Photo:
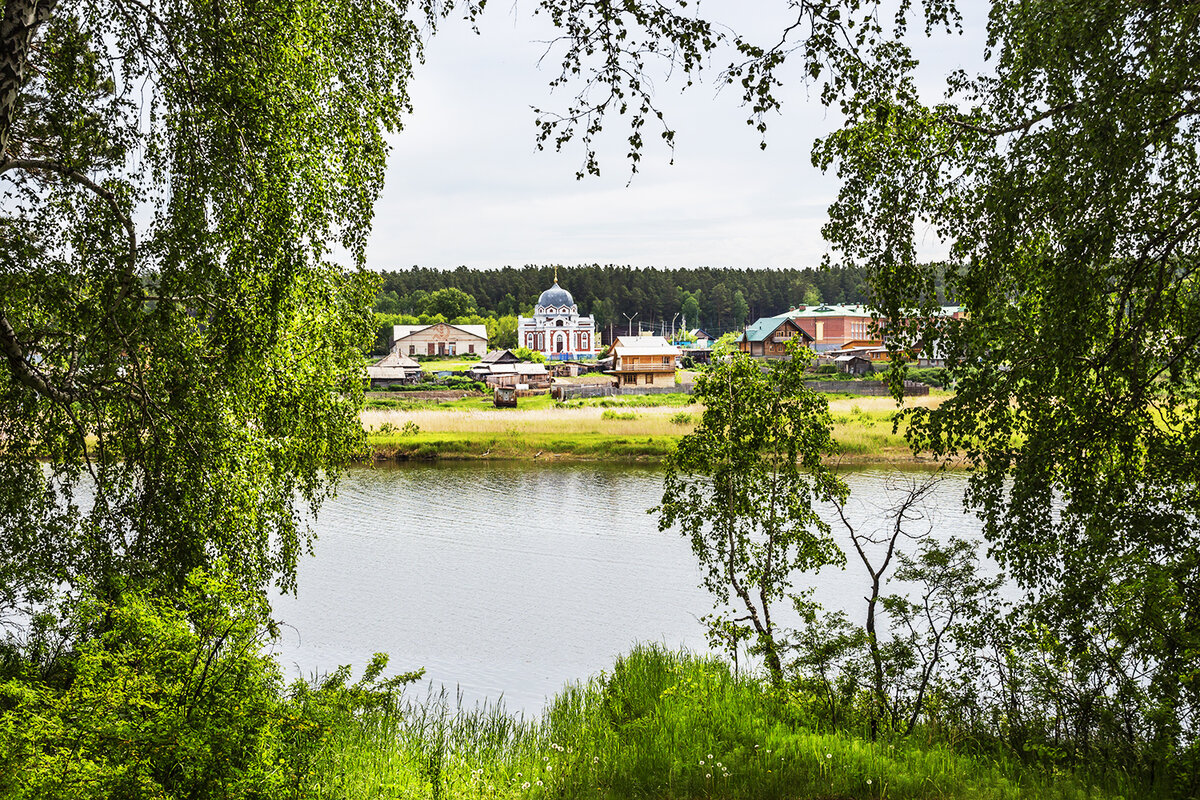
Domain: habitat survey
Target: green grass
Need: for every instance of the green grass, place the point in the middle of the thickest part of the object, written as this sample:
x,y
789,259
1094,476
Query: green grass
x,y
520,445
664,725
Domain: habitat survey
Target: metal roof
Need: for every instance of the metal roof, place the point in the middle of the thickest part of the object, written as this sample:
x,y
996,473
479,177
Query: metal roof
x,y
401,331
765,326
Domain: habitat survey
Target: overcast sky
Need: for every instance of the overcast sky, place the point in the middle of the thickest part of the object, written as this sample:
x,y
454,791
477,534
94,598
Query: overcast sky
x,y
466,184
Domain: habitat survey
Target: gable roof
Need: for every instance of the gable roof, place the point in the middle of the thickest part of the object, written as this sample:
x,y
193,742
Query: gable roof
x,y
401,331
763,327
501,356
397,359
643,346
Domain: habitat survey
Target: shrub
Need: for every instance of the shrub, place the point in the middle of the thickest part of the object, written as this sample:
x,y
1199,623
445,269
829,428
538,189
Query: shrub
x,y
610,414
682,418
155,699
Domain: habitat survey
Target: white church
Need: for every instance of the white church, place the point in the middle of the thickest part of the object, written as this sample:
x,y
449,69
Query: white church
x,y
556,329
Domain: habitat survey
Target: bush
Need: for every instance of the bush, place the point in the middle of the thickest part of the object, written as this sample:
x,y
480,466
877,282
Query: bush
x,y
610,414
156,699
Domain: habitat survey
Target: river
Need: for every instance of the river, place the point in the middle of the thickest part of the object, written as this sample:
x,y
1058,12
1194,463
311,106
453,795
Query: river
x,y
510,579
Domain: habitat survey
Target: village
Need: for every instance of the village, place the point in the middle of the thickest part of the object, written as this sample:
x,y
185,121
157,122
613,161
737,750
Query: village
x,y
562,353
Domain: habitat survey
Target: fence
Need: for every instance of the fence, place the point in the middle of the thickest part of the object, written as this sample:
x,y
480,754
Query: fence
x,y
875,388
572,391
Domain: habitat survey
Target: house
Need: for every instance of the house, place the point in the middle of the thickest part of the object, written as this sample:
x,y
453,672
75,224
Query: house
x,y
768,337
643,361
439,339
832,326
393,369
522,375
481,370
704,341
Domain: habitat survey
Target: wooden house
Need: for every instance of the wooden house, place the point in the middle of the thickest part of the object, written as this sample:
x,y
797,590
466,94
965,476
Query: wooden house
x,y
768,337
643,361
393,369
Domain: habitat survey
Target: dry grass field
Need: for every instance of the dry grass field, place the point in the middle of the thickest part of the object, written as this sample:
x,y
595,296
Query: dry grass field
x,y
862,427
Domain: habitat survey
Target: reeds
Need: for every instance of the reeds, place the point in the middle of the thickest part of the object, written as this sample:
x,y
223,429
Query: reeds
x,y
661,725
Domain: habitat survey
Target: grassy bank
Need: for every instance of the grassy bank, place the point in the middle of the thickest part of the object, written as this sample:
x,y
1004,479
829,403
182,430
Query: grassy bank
x,y
631,427
666,726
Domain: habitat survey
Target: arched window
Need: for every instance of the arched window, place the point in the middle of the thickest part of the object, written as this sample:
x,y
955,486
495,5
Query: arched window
x,y
559,323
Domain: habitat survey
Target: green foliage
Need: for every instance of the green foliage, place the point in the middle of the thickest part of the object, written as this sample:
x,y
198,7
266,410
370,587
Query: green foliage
x,y
690,310
742,485
739,309
159,699
198,360
662,724
1063,180
525,354
610,414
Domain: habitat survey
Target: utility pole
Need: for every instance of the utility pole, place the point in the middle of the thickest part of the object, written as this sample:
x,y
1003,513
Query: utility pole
x,y
673,336
626,316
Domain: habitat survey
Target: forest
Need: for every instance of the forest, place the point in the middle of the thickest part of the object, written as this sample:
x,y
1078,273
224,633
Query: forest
x,y
649,295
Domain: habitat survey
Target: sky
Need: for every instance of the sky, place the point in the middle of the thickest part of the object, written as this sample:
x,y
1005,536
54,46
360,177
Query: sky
x,y
467,186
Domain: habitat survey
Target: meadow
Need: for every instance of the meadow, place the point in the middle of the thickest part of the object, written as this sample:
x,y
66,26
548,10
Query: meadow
x,y
668,725
639,427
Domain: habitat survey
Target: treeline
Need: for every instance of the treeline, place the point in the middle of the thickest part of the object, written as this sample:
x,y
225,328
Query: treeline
x,y
619,295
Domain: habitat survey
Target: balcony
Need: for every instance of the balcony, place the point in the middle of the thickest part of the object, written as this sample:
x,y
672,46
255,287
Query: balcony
x,y
626,366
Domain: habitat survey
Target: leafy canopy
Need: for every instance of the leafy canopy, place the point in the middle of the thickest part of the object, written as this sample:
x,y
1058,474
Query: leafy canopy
x,y
181,344
741,487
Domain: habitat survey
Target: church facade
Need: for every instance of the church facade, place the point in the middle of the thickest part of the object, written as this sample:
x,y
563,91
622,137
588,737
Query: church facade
x,y
556,329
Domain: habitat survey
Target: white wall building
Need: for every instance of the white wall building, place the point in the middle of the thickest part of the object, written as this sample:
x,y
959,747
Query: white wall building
x,y
556,329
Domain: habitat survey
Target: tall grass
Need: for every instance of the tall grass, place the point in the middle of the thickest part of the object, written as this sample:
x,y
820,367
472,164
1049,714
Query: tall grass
x,y
661,725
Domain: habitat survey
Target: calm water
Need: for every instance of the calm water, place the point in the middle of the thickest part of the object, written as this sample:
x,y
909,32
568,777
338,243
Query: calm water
x,y
512,579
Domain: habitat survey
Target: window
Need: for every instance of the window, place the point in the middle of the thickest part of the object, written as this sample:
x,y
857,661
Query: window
x,y
666,360
649,378
412,349
470,348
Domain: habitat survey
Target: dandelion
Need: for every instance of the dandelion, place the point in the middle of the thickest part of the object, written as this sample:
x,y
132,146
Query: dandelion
x,y
868,781
702,762
595,759
525,785
549,768
757,746
710,755
709,775
829,755
539,783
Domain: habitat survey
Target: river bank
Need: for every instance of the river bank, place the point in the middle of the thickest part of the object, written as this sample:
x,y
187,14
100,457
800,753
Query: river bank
x,y
629,428
673,725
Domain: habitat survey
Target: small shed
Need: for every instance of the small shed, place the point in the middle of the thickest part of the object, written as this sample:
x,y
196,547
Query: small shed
x,y
854,365
393,369
533,376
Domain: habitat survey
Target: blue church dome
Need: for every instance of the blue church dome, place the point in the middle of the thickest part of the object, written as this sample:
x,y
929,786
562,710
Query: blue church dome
x,y
556,297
